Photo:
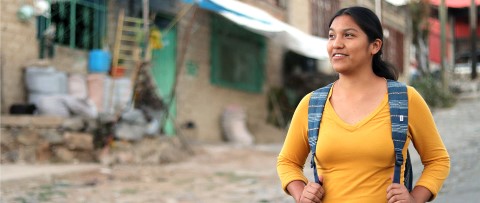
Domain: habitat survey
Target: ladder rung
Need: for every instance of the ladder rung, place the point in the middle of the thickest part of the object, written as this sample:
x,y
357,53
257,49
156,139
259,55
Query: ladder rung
x,y
131,29
127,47
129,38
133,20
126,57
127,51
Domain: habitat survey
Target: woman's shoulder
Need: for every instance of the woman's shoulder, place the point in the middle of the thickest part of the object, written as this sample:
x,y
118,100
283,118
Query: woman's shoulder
x,y
412,92
414,97
306,99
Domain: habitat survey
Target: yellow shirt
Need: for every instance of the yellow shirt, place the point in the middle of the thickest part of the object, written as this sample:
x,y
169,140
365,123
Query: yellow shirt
x,y
357,161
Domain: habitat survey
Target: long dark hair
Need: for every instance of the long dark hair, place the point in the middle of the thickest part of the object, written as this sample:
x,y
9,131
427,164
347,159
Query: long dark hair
x,y
368,21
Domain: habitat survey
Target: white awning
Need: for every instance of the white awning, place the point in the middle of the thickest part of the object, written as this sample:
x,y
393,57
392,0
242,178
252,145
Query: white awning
x,y
263,23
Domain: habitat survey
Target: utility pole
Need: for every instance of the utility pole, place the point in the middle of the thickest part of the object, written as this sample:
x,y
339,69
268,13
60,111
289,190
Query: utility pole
x,y
146,8
378,9
443,44
473,38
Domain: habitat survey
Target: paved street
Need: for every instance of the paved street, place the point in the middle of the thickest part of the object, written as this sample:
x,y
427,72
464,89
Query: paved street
x,y
224,173
460,130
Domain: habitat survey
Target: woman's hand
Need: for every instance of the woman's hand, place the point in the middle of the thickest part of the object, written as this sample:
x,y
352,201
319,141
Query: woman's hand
x,y
398,193
312,192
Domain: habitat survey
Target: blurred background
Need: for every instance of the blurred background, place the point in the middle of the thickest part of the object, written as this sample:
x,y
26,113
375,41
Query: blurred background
x,y
190,100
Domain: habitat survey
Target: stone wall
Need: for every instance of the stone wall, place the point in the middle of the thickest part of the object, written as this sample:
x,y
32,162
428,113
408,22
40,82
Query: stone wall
x,y
46,139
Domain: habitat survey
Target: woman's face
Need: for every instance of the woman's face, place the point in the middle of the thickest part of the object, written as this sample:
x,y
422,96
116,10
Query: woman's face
x,y
348,46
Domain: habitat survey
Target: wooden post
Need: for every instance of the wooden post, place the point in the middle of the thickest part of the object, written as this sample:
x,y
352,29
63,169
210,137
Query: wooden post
x,y
443,43
146,8
473,38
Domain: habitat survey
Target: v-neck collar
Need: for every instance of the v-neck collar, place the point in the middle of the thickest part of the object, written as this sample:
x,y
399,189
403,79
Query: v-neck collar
x,y
362,121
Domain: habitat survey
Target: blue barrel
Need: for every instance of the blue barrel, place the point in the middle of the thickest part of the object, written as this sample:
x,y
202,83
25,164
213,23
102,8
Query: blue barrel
x,y
99,61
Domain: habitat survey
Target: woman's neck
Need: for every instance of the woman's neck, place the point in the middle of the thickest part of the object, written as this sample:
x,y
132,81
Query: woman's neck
x,y
355,87
359,82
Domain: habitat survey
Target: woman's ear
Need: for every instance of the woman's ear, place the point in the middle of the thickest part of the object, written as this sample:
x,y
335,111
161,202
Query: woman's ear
x,y
376,46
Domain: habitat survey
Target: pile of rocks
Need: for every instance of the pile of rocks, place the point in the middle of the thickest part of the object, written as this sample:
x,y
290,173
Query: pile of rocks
x,y
37,139
46,139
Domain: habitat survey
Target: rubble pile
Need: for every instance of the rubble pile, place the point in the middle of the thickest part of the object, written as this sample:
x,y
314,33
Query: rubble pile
x,y
47,139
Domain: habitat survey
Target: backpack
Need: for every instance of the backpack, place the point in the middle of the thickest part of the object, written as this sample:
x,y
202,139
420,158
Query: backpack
x,y
398,102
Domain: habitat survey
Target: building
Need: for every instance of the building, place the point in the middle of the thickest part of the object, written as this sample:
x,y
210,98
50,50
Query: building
x,y
209,60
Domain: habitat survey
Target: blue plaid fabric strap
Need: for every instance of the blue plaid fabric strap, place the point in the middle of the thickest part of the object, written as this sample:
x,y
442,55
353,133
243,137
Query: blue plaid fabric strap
x,y
315,111
398,102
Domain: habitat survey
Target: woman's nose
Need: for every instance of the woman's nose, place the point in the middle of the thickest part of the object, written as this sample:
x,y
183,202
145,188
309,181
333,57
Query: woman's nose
x,y
338,43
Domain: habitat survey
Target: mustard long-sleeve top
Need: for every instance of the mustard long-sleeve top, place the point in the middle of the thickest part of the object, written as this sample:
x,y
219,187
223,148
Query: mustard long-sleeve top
x,y
357,161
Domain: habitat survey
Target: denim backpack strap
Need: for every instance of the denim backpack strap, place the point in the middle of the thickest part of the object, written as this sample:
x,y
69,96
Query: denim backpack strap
x,y
315,111
398,101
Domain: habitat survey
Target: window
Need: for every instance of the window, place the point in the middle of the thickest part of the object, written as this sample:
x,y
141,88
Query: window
x,y
78,24
238,56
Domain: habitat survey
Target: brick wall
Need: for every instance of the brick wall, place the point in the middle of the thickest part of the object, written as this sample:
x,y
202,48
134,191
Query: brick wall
x,y
18,46
299,15
19,49
203,103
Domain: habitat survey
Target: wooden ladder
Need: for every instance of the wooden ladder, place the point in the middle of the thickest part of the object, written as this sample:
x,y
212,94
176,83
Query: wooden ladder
x,y
126,47
126,51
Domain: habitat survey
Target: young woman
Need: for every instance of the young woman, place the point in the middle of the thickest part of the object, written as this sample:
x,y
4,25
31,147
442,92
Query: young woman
x,y
354,153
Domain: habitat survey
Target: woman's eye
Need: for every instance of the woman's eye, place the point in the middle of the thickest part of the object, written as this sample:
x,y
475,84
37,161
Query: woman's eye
x,y
331,36
348,35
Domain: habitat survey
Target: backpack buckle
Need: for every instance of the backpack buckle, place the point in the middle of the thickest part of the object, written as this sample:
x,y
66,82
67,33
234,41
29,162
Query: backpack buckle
x,y
312,162
398,158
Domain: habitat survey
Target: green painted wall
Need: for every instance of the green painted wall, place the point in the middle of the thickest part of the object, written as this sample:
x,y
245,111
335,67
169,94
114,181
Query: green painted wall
x,y
163,71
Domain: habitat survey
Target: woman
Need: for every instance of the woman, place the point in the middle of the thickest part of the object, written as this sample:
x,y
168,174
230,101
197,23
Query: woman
x,y
354,153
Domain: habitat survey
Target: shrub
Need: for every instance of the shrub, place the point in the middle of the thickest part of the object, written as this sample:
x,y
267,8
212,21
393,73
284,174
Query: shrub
x,y
431,89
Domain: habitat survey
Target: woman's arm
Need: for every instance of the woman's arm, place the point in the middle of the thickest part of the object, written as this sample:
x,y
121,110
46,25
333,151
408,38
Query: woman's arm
x,y
428,144
295,148
421,194
295,188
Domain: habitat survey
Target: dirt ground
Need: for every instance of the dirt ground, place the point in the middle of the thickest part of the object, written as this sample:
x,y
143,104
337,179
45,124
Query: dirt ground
x,y
222,173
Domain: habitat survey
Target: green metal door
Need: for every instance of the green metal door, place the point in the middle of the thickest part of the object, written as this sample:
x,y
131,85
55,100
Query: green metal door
x,y
163,71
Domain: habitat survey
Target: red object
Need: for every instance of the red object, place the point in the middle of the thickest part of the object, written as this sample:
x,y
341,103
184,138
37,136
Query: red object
x,y
455,3
434,41
117,72
462,29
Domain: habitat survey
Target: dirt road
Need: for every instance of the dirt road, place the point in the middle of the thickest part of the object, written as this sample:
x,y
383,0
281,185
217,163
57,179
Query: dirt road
x,y
216,174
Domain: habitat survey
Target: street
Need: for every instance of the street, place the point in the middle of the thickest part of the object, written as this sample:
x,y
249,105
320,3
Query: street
x,y
460,130
226,173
